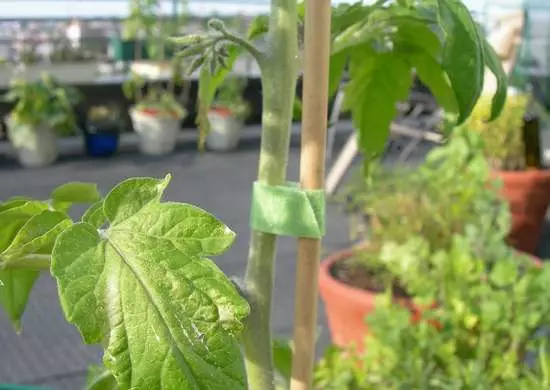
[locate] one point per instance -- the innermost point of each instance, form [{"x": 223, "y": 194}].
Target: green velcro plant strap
[{"x": 288, "y": 210}]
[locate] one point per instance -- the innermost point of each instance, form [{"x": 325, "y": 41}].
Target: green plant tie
[{"x": 288, "y": 210}]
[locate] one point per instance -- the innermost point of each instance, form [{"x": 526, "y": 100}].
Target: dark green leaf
[
  {"x": 463, "y": 55},
  {"x": 15, "y": 288},
  {"x": 416, "y": 33},
  {"x": 35, "y": 237},
  {"x": 337, "y": 66},
  {"x": 377, "y": 82},
  {"x": 495, "y": 66},
  {"x": 434, "y": 77},
  {"x": 282, "y": 358}
]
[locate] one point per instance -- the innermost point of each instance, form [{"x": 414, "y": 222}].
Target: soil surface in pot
[{"x": 353, "y": 272}]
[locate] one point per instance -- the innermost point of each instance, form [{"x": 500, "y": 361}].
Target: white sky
[{"x": 119, "y": 8}]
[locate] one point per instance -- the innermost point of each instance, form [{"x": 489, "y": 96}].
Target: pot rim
[{"x": 329, "y": 285}]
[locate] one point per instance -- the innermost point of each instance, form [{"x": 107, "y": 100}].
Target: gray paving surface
[{"x": 50, "y": 352}]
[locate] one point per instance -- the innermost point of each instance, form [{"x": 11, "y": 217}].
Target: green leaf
[
  {"x": 12, "y": 203},
  {"x": 282, "y": 359},
  {"x": 495, "y": 66},
  {"x": 167, "y": 315},
  {"x": 208, "y": 85},
  {"x": 377, "y": 82},
  {"x": 99, "y": 378},
  {"x": 416, "y": 33},
  {"x": 504, "y": 273},
  {"x": 36, "y": 236},
  {"x": 13, "y": 215},
  {"x": 94, "y": 215},
  {"x": 345, "y": 15},
  {"x": 64, "y": 196},
  {"x": 258, "y": 27},
  {"x": 463, "y": 55},
  {"x": 337, "y": 66},
  {"x": 434, "y": 77},
  {"x": 15, "y": 288}
]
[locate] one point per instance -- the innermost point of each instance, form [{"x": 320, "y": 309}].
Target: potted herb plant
[
  {"x": 156, "y": 116},
  {"x": 131, "y": 45},
  {"x": 437, "y": 200},
  {"x": 42, "y": 110},
  {"x": 526, "y": 185},
  {"x": 491, "y": 304},
  {"x": 135, "y": 273},
  {"x": 102, "y": 130},
  {"x": 227, "y": 115}
]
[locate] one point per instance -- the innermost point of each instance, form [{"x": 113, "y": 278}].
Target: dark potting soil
[{"x": 355, "y": 274}]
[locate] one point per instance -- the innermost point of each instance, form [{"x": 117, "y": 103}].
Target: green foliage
[
  {"x": 43, "y": 102},
  {"x": 398, "y": 38},
  {"x": 134, "y": 275},
  {"x": 64, "y": 196},
  {"x": 28, "y": 230},
  {"x": 142, "y": 18},
  {"x": 491, "y": 301},
  {"x": 213, "y": 54},
  {"x": 435, "y": 200},
  {"x": 168, "y": 317},
  {"x": 503, "y": 138},
  {"x": 438, "y": 200},
  {"x": 230, "y": 95},
  {"x": 99, "y": 378},
  {"x": 157, "y": 100}
]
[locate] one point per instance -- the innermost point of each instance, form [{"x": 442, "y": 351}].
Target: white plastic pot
[
  {"x": 157, "y": 134},
  {"x": 225, "y": 131},
  {"x": 35, "y": 146}
]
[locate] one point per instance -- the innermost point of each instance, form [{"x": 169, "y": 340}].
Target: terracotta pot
[
  {"x": 528, "y": 193},
  {"x": 347, "y": 307}
]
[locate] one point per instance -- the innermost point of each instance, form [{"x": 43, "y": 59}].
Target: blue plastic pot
[{"x": 101, "y": 142}]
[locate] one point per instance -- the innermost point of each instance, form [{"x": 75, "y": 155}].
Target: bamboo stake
[{"x": 312, "y": 175}]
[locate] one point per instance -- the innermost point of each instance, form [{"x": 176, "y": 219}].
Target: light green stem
[
  {"x": 279, "y": 76},
  {"x": 33, "y": 261}
]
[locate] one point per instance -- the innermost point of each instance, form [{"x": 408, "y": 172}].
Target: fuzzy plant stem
[{"x": 279, "y": 76}]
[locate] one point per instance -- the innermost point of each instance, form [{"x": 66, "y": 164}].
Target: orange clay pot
[
  {"x": 347, "y": 307},
  {"x": 528, "y": 194}
]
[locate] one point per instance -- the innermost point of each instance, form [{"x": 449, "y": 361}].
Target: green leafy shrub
[
  {"x": 155, "y": 100},
  {"x": 437, "y": 200},
  {"x": 503, "y": 146},
  {"x": 491, "y": 302},
  {"x": 43, "y": 102}
]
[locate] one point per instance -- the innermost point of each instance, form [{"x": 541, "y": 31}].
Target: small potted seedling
[
  {"x": 102, "y": 130},
  {"x": 226, "y": 117},
  {"x": 140, "y": 22},
  {"x": 42, "y": 109},
  {"x": 156, "y": 116}
]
